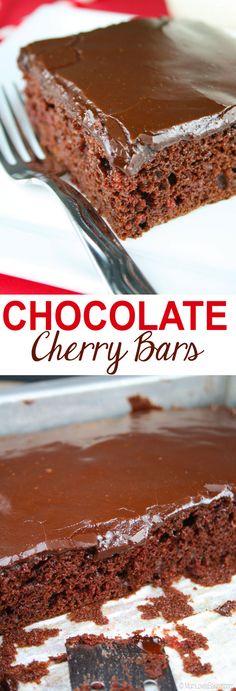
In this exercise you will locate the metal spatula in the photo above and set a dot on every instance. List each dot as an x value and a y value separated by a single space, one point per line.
135 663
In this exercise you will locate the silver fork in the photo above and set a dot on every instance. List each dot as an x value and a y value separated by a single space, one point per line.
113 262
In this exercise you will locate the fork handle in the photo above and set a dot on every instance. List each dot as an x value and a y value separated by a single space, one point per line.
115 265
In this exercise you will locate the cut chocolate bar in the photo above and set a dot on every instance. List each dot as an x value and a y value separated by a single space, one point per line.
142 114
95 511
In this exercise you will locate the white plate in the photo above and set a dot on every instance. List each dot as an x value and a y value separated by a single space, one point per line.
194 253
218 12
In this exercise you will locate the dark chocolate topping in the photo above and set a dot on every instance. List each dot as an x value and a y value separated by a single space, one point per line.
142 84
110 483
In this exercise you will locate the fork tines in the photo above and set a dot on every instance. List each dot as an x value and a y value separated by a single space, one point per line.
19 138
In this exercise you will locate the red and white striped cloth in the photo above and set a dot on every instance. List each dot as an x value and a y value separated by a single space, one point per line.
11 14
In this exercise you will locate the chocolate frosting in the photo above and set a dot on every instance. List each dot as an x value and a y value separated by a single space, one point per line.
109 484
140 85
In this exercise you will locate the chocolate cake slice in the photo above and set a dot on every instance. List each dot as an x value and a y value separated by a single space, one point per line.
94 511
142 114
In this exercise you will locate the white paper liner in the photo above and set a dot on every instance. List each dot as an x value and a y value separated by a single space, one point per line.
124 619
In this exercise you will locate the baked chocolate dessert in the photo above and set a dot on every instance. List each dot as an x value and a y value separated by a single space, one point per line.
94 511
142 114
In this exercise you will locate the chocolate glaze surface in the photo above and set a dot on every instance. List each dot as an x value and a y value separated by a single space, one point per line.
142 84
108 484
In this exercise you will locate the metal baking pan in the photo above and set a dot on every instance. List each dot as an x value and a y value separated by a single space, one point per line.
34 406
37 406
